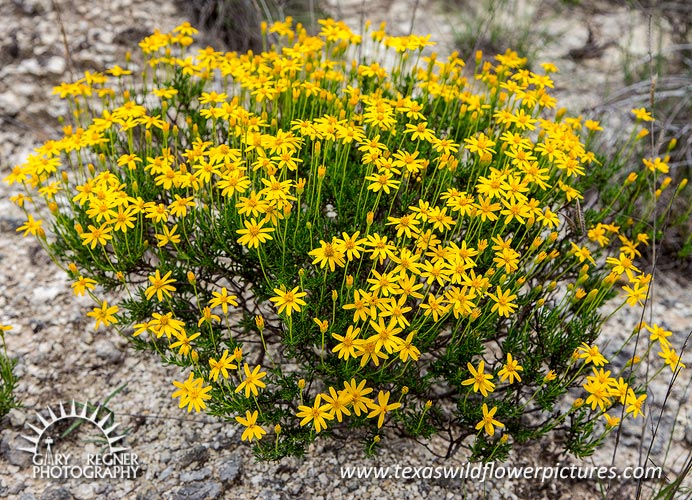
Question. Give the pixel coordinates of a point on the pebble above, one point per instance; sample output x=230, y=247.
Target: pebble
x=56, y=493
x=107, y=351
x=195, y=475
x=199, y=491
x=230, y=471
x=44, y=294
x=55, y=65
x=198, y=454
x=16, y=417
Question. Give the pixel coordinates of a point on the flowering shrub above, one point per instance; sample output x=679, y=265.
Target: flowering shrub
x=342, y=235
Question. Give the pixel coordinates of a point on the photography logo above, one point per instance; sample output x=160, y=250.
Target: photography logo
x=53, y=461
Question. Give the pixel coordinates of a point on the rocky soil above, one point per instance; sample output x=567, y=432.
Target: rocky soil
x=188, y=456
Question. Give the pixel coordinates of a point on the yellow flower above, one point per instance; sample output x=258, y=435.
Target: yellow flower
x=104, y=314
x=160, y=286
x=183, y=342
x=642, y=115
x=488, y=422
x=252, y=429
x=223, y=299
x=168, y=236
x=611, y=421
x=480, y=380
x=254, y=233
x=252, y=381
x=82, y=284
x=192, y=393
x=671, y=358
x=381, y=408
x=328, y=254
x=337, y=403
x=634, y=403
x=221, y=366
x=33, y=227
x=510, y=370
x=318, y=414
x=96, y=235
x=503, y=302
x=288, y=301
x=346, y=347
x=591, y=354
x=659, y=334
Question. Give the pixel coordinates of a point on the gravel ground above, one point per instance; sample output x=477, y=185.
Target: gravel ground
x=186, y=456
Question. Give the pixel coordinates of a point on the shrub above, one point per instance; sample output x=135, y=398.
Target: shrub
x=339, y=236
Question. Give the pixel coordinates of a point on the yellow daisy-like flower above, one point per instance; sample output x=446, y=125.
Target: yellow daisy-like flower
x=480, y=380
x=488, y=422
x=511, y=370
x=252, y=431
x=160, y=286
x=252, y=381
x=288, y=301
x=318, y=414
x=254, y=233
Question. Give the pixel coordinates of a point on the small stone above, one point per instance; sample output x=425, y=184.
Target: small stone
x=11, y=106
x=44, y=294
x=165, y=473
x=106, y=350
x=195, y=475
x=199, y=491
x=84, y=491
x=230, y=470
x=27, y=496
x=55, y=65
x=147, y=491
x=199, y=454
x=270, y=495
x=56, y=493
x=17, y=417
x=100, y=487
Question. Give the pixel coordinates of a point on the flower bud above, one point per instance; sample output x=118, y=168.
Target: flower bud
x=301, y=384
x=300, y=186
x=259, y=321
x=238, y=354
x=191, y=278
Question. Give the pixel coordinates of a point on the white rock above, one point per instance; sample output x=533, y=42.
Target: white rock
x=45, y=294
x=56, y=65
